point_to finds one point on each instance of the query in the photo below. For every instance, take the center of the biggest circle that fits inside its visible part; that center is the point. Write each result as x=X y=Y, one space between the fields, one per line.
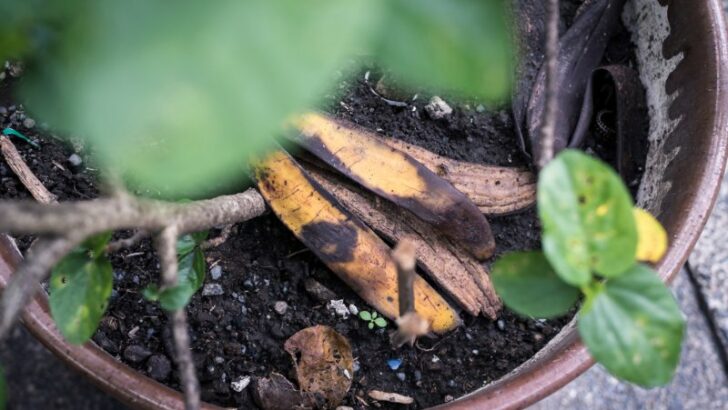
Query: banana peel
x=394 y=175
x=350 y=249
x=465 y=279
x=493 y=189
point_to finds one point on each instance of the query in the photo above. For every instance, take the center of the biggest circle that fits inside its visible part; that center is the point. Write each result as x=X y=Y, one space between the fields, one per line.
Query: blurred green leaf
x=633 y=327
x=457 y=45
x=187 y=243
x=178 y=99
x=191 y=277
x=80 y=287
x=96 y=245
x=365 y=315
x=586 y=212
x=380 y=321
x=528 y=285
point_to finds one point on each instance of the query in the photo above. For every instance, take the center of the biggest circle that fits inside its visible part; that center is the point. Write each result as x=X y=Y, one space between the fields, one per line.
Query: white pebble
x=437 y=108
x=280 y=307
x=353 y=309
x=212 y=289
x=216 y=272
x=240 y=383
x=339 y=307
x=75 y=160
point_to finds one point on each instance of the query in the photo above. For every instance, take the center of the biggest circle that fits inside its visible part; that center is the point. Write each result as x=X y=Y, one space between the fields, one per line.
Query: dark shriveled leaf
x=581 y=50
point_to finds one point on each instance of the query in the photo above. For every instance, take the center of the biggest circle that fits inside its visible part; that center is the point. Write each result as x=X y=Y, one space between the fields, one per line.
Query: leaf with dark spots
x=395 y=176
x=324 y=363
x=277 y=393
x=335 y=242
x=581 y=50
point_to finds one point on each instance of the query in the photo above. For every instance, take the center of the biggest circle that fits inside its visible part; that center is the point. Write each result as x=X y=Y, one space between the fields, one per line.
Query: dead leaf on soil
x=323 y=360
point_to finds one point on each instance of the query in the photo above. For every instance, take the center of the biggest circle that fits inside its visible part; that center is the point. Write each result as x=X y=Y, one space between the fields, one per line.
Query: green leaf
x=459 y=45
x=96 y=245
x=185 y=245
x=176 y=100
x=528 y=285
x=151 y=293
x=364 y=315
x=80 y=289
x=371 y=325
x=374 y=314
x=191 y=276
x=632 y=325
x=586 y=213
x=380 y=322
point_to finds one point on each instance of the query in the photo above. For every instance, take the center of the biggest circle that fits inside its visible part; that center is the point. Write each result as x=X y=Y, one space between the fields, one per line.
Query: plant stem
x=166 y=244
x=548 y=127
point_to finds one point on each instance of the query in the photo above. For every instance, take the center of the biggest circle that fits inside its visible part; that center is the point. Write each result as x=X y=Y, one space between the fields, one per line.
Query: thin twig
x=548 y=127
x=410 y=325
x=26 y=176
x=126 y=243
x=166 y=248
x=218 y=240
x=127 y=212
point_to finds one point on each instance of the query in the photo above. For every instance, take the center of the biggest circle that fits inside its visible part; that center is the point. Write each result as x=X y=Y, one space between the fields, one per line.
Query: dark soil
x=239 y=334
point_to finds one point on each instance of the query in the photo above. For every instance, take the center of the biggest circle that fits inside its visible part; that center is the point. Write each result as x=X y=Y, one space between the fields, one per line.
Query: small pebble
x=449 y=398
x=344 y=408
x=136 y=353
x=3 y=111
x=29 y=123
x=219 y=360
x=216 y=272
x=394 y=363
x=356 y=366
x=480 y=108
x=418 y=375
x=401 y=376
x=159 y=367
x=437 y=108
x=212 y=289
x=339 y=308
x=75 y=160
x=280 y=307
x=501 y=324
x=353 y=309
x=240 y=383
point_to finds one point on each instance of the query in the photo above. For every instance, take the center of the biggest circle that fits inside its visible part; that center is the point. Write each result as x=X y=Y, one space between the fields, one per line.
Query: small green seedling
x=593 y=241
x=373 y=318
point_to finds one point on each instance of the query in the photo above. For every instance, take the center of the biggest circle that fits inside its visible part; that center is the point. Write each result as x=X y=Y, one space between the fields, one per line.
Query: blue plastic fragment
x=11 y=132
x=394 y=363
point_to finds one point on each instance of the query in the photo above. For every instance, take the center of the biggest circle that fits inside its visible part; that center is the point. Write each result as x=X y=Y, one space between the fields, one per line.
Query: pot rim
x=531 y=382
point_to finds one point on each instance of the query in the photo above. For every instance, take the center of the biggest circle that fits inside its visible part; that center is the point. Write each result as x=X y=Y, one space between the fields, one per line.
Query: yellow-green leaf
x=652 y=238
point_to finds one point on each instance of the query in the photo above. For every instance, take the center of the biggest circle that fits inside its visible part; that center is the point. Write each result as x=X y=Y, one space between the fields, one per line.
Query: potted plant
x=688 y=154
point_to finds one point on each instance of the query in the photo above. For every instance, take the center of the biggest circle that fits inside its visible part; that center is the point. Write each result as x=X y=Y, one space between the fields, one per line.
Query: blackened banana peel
x=350 y=249
x=394 y=175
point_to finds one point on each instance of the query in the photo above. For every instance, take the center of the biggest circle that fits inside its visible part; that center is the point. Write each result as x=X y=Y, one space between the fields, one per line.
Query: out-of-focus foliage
x=177 y=95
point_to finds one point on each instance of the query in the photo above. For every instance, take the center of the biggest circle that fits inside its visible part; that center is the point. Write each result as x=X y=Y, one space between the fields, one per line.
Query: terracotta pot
x=682 y=48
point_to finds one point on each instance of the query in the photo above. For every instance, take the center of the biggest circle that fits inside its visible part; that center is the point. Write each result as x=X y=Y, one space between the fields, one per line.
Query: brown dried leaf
x=277 y=393
x=323 y=360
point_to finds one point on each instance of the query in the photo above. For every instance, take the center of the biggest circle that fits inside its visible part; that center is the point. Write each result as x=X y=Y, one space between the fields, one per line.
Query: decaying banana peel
x=495 y=190
x=454 y=270
x=350 y=249
x=394 y=175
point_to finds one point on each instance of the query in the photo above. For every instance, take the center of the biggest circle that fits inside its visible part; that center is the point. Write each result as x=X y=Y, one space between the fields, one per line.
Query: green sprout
x=373 y=318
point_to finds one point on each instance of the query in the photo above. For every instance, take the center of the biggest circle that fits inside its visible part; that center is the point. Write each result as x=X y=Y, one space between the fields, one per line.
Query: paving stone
x=709 y=264
x=700 y=382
